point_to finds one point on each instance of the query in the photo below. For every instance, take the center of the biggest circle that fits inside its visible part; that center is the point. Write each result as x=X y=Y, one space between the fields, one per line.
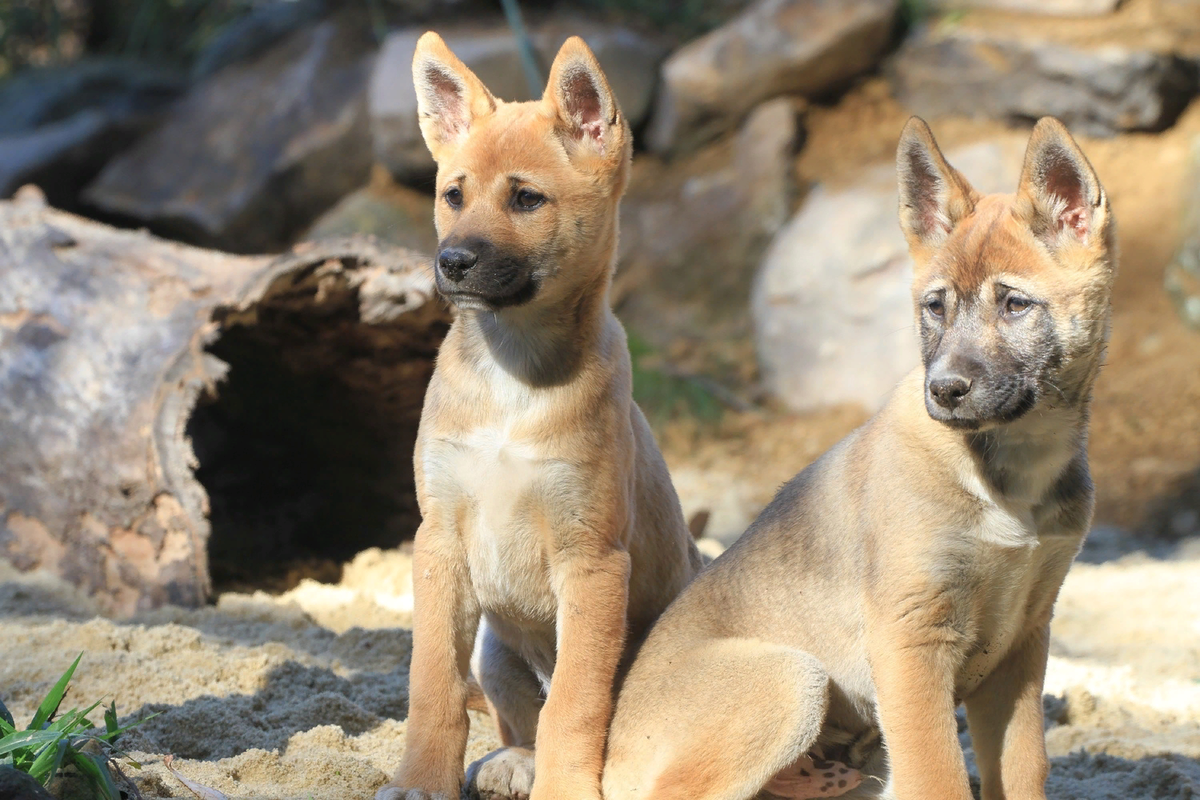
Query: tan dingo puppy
x=915 y=565
x=547 y=509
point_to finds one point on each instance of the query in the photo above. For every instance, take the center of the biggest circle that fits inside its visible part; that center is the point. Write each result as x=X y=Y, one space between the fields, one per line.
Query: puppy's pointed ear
x=589 y=120
x=449 y=96
x=934 y=197
x=1060 y=194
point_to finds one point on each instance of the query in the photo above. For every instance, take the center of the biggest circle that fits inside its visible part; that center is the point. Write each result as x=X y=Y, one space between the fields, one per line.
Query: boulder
x=1182 y=276
x=58 y=127
x=251 y=34
x=630 y=61
x=253 y=154
x=1060 y=8
x=393 y=214
x=775 y=47
x=1000 y=73
x=17 y=785
x=117 y=87
x=832 y=308
x=694 y=229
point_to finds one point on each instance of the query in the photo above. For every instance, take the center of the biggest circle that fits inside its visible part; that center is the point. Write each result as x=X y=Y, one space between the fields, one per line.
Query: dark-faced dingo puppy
x=546 y=507
x=915 y=565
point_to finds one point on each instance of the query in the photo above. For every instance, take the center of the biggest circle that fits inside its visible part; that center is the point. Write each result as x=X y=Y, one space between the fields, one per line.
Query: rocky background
x=762 y=275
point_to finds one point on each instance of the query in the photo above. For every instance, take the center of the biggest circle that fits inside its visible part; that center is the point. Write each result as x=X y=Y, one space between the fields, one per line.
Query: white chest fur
x=502 y=487
x=1015 y=570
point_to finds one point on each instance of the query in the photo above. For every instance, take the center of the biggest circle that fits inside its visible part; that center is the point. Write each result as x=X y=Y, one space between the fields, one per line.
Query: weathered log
x=142 y=380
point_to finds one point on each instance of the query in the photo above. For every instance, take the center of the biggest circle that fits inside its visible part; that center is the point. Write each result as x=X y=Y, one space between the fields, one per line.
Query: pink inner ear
x=1076 y=219
x=581 y=102
x=449 y=105
x=924 y=188
x=1064 y=181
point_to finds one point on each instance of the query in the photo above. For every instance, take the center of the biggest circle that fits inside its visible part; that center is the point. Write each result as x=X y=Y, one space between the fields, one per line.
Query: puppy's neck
x=1024 y=460
x=543 y=345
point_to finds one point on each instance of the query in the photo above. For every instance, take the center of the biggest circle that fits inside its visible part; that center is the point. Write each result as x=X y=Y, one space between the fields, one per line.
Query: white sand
x=303 y=695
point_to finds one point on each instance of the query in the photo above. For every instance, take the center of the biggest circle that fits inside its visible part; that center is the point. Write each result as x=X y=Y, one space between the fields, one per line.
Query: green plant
x=665 y=394
x=53 y=741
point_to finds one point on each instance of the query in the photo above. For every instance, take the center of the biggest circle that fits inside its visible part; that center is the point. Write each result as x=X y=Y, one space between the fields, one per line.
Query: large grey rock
x=993 y=73
x=17 y=785
x=832 y=307
x=1060 y=8
x=58 y=127
x=256 y=152
x=1182 y=277
x=630 y=62
x=694 y=229
x=395 y=215
x=799 y=47
x=247 y=36
x=116 y=87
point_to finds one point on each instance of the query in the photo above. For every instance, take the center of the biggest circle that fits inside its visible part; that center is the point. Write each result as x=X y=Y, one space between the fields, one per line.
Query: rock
x=117 y=87
x=832 y=307
x=996 y=73
x=1182 y=277
x=264 y=25
x=630 y=61
x=393 y=214
x=799 y=47
x=60 y=147
x=58 y=127
x=17 y=785
x=255 y=152
x=1061 y=8
x=694 y=229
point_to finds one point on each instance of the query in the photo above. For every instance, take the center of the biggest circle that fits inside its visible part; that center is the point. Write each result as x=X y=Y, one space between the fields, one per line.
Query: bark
x=115 y=354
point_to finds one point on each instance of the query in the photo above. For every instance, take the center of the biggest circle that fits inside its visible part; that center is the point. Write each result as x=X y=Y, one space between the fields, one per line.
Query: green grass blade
x=51 y=703
x=110 y=787
x=112 y=737
x=6 y=719
x=48 y=761
x=95 y=770
x=27 y=739
x=110 y=722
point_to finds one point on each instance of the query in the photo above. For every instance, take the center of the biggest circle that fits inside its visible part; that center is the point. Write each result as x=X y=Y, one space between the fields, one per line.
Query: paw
x=391 y=792
x=813 y=777
x=504 y=774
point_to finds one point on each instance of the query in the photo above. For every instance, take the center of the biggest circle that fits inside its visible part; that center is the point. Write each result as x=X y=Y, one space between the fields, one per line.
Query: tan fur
x=916 y=564
x=547 y=509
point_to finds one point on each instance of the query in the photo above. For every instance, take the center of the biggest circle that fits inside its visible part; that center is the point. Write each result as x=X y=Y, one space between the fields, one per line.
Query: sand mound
x=303 y=695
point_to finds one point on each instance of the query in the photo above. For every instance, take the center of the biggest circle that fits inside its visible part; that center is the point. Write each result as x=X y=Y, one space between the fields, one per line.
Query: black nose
x=949 y=390
x=455 y=261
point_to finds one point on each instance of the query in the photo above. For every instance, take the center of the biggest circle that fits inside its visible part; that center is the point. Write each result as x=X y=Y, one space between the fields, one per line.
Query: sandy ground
x=304 y=694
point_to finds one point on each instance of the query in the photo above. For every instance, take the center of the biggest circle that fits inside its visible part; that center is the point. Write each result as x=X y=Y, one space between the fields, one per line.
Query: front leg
x=1007 y=729
x=445 y=618
x=914 y=653
x=593 y=595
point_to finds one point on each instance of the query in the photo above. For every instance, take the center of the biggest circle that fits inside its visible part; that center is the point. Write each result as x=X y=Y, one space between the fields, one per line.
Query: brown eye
x=453 y=197
x=936 y=307
x=1015 y=306
x=527 y=199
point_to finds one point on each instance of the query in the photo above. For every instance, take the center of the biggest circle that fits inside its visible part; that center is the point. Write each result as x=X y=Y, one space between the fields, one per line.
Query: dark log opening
x=305 y=450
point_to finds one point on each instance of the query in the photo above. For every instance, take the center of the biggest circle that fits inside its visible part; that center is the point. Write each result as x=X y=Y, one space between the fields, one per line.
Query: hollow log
x=157 y=398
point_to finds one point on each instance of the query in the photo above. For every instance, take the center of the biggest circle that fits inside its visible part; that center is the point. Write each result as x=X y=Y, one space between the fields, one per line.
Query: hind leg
x=515 y=698
x=716 y=721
